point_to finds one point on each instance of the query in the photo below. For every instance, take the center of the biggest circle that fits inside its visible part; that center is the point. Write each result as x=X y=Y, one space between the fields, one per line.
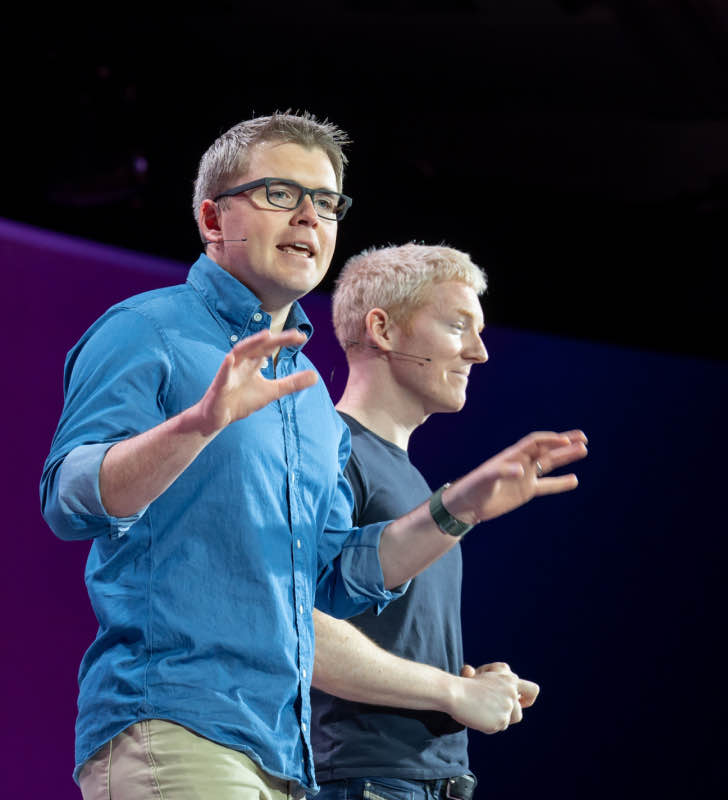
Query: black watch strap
x=443 y=518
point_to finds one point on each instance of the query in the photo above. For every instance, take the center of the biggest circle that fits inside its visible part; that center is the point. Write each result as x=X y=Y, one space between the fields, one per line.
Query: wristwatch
x=443 y=518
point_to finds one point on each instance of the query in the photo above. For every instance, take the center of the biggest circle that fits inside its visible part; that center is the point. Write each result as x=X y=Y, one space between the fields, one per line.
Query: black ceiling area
x=577 y=150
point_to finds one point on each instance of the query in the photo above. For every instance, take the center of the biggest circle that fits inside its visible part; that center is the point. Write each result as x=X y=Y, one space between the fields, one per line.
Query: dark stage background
x=578 y=151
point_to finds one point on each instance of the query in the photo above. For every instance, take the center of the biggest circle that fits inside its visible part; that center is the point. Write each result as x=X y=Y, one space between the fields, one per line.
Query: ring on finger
x=539 y=469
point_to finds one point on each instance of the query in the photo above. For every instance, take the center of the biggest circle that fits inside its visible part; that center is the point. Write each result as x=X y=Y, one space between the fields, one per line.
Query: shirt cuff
x=362 y=569
x=78 y=486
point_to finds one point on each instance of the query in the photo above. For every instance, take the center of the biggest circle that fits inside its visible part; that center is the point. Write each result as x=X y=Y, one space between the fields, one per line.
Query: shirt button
x=293 y=477
x=257 y=317
x=298 y=543
x=303 y=727
x=303 y=672
x=234 y=338
x=300 y=608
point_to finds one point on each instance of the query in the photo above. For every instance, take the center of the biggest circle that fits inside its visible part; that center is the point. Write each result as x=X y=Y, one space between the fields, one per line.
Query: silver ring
x=539 y=469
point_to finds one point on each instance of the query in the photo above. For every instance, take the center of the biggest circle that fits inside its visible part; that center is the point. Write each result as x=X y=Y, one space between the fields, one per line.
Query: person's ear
x=379 y=329
x=210 y=223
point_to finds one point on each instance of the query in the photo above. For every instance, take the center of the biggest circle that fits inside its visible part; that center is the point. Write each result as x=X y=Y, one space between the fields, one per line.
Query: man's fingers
x=527 y=692
x=295 y=382
x=467 y=671
x=564 y=455
x=495 y=666
x=549 y=461
x=576 y=436
x=546 y=443
x=557 y=484
x=539 y=441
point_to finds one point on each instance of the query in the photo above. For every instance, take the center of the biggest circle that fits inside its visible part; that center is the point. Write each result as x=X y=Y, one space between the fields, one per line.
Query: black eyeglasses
x=281 y=193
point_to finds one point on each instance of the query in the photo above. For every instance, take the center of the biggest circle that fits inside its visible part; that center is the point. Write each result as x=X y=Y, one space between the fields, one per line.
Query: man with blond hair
x=199 y=453
x=410 y=321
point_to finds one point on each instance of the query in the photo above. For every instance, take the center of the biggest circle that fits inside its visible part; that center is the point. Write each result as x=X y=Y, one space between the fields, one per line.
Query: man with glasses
x=211 y=484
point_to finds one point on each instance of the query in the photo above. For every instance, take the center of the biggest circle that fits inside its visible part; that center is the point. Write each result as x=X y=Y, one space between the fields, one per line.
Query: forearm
x=138 y=470
x=410 y=544
x=351 y=666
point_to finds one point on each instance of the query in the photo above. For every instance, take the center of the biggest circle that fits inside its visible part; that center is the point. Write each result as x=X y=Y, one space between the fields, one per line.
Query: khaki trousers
x=159 y=760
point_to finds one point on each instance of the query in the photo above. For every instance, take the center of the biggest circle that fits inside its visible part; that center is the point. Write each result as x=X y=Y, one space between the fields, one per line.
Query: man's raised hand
x=239 y=388
x=516 y=475
x=135 y=471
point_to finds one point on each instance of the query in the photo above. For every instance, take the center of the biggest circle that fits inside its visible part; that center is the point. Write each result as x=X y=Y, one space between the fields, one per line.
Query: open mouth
x=296 y=249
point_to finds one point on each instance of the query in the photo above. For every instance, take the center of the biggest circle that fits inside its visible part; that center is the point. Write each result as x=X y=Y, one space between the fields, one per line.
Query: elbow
x=65 y=524
x=67 y=527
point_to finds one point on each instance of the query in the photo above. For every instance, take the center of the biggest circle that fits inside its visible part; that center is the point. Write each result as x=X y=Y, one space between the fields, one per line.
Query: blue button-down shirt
x=204 y=598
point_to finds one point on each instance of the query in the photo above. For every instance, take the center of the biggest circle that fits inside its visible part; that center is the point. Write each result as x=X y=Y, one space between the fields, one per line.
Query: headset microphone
x=209 y=241
x=419 y=360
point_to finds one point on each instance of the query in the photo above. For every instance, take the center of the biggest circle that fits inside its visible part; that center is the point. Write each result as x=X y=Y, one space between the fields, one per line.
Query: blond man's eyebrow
x=470 y=316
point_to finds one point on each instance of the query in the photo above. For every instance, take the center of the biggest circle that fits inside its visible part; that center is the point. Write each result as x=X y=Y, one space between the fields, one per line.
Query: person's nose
x=476 y=350
x=305 y=214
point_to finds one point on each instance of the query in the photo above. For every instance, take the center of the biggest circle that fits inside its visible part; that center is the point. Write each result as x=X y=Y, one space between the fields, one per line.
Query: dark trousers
x=458 y=788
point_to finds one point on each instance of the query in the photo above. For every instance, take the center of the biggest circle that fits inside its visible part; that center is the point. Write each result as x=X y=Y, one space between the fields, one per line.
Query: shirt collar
x=232 y=302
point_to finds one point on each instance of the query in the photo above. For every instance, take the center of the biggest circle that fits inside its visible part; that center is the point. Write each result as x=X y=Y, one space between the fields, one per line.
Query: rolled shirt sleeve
x=115 y=381
x=350 y=571
x=78 y=487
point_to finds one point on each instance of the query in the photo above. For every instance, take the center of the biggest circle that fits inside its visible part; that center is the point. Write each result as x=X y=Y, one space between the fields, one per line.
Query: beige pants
x=159 y=760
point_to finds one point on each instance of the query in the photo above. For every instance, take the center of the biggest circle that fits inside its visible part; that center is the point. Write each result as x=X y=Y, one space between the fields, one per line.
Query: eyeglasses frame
x=305 y=190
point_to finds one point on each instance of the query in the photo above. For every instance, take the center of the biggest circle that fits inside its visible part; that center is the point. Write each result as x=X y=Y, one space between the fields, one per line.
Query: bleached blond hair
x=396 y=279
x=227 y=159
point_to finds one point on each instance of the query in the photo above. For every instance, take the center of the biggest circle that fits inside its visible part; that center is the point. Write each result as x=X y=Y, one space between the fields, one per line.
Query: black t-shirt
x=359 y=740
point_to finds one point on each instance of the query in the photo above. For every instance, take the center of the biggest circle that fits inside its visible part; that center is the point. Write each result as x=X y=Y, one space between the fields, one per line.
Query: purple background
x=611 y=598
